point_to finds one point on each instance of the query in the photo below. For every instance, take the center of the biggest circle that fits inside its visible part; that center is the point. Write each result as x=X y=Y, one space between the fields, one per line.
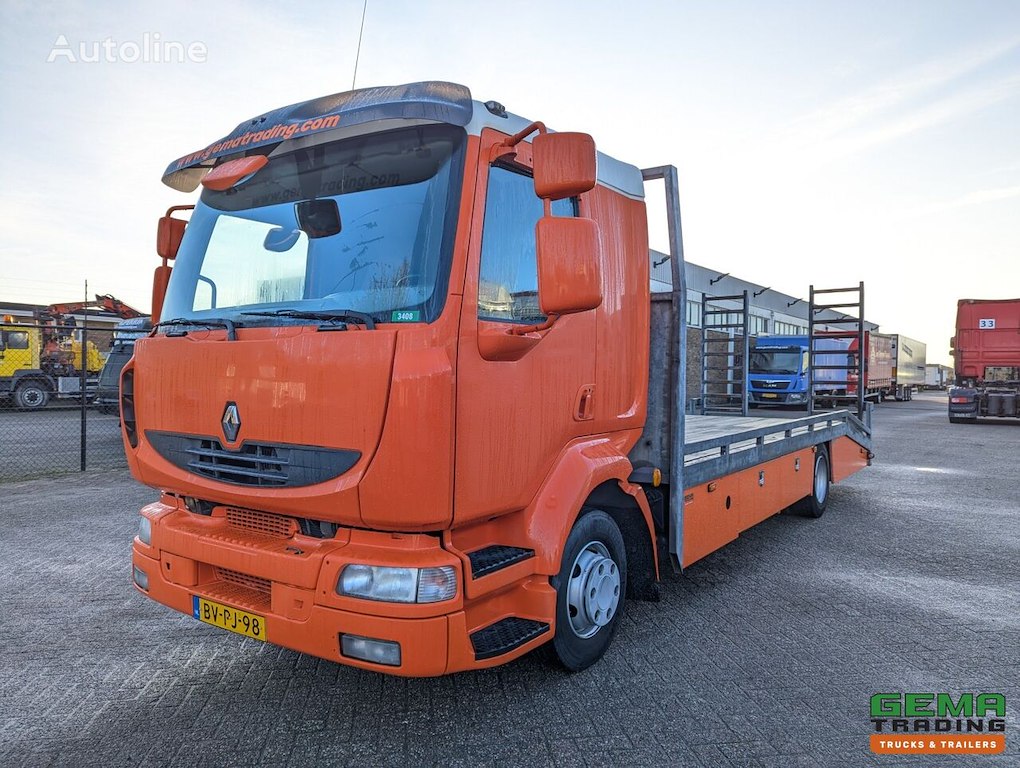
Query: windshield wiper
x=327 y=315
x=220 y=322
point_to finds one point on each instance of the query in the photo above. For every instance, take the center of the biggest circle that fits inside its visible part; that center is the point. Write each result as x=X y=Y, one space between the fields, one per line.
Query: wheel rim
x=821 y=480
x=31 y=396
x=593 y=591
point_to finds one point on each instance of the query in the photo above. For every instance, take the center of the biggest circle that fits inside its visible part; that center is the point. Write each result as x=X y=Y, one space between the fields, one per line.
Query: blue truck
x=778 y=369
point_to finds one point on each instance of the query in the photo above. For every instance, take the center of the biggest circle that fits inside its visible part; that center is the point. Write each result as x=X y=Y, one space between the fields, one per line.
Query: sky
x=816 y=142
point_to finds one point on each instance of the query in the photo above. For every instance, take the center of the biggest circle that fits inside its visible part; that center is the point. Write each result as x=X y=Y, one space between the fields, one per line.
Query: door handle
x=584 y=403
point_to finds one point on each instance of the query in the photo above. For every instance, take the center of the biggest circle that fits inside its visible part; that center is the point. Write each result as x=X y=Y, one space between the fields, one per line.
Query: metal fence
x=48 y=426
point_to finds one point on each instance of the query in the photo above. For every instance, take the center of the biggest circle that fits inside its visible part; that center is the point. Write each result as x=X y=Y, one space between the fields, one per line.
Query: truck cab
x=778 y=371
x=385 y=326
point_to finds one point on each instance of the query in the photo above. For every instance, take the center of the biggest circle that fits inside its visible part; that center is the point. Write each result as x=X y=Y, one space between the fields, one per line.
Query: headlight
x=145 y=531
x=398 y=585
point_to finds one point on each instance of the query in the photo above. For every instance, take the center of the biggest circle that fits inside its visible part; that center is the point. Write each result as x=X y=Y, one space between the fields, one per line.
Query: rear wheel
x=590 y=589
x=31 y=394
x=814 y=505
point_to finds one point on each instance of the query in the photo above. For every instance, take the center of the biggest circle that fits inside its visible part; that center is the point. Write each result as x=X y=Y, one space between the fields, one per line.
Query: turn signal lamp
x=232 y=172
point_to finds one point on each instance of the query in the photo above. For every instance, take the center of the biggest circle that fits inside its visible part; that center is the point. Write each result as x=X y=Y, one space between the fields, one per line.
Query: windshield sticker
x=405 y=316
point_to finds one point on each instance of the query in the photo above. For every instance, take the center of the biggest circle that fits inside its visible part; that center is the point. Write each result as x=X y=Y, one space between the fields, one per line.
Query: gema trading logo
x=938 y=723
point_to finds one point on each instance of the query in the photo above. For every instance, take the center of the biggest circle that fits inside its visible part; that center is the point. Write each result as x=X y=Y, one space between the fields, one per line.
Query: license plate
x=773 y=395
x=226 y=617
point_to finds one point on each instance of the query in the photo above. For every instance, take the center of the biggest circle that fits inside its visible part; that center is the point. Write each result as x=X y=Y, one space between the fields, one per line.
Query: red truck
x=986 y=352
x=410 y=403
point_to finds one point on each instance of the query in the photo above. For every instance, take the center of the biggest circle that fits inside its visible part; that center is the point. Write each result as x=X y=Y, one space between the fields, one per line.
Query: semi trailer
x=909 y=360
x=986 y=354
x=878 y=367
x=937 y=376
x=410 y=404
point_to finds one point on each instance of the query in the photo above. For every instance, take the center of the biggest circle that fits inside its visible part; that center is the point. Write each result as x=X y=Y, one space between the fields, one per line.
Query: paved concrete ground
x=764 y=654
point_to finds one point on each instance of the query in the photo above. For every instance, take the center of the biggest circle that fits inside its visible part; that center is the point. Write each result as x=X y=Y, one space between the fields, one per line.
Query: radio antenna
x=357 y=56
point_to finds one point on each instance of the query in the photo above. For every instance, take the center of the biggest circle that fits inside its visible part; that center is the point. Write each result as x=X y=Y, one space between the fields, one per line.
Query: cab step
x=505 y=635
x=496 y=557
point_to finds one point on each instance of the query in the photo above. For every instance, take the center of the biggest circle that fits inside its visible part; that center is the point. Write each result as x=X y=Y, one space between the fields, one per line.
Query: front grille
x=763 y=384
x=262 y=522
x=260 y=464
x=253 y=464
x=254 y=583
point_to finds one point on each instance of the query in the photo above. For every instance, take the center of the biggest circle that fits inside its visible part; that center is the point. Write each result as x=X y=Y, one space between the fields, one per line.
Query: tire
x=31 y=395
x=590 y=590
x=814 y=505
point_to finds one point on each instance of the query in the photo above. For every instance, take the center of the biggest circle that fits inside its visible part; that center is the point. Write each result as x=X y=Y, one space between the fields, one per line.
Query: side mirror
x=564 y=164
x=160 y=280
x=568 y=251
x=170 y=232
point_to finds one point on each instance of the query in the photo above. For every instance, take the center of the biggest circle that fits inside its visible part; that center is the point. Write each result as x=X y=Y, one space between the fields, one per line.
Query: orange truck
x=410 y=403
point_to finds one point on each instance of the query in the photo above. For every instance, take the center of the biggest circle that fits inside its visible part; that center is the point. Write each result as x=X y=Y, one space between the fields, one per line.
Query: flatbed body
x=715 y=446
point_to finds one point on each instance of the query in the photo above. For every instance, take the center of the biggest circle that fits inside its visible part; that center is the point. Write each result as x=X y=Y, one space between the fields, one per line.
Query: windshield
x=776 y=360
x=384 y=247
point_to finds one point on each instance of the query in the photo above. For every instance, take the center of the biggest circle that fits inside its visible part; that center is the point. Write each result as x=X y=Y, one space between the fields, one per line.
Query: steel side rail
x=716 y=457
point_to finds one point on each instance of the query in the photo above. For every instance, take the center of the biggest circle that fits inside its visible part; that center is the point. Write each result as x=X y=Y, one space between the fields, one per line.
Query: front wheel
x=814 y=505
x=590 y=589
x=30 y=395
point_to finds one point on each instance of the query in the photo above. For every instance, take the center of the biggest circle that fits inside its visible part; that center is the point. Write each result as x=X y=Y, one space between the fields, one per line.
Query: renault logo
x=231 y=422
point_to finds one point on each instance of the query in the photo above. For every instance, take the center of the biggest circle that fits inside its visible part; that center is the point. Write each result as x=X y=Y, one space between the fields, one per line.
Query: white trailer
x=908 y=365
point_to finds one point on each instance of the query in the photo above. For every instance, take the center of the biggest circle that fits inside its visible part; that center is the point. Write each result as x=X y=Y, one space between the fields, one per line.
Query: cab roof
x=431 y=101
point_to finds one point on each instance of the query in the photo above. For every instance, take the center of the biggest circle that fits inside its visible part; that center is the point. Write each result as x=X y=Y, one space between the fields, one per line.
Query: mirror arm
x=526 y=329
x=517 y=138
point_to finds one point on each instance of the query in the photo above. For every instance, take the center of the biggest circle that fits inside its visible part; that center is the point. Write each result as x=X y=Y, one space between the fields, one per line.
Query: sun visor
x=438 y=101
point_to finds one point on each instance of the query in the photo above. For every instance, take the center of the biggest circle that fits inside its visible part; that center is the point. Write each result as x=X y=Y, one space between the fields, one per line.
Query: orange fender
x=580 y=469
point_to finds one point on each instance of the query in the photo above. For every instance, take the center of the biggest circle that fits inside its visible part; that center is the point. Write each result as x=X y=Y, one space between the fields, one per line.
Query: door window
x=17 y=339
x=508 y=276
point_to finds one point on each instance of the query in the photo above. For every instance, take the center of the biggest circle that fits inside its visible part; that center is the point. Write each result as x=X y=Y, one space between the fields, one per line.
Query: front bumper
x=290 y=583
x=963 y=410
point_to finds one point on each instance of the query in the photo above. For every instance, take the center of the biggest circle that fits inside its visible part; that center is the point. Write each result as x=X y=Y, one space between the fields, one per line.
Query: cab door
x=521 y=397
x=18 y=350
